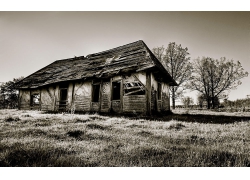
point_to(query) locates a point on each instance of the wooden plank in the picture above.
(95, 106)
(91, 95)
(133, 92)
(100, 95)
(73, 90)
(148, 93)
(40, 100)
(83, 103)
(111, 94)
(134, 103)
(105, 104)
(159, 105)
(121, 96)
(116, 105)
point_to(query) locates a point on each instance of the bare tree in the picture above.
(213, 78)
(174, 59)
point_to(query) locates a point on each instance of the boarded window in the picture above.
(35, 99)
(95, 92)
(159, 90)
(134, 88)
(116, 90)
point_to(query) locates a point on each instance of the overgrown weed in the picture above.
(11, 118)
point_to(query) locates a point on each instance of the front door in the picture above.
(63, 99)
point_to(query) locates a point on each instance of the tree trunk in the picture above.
(213, 103)
(173, 99)
(208, 103)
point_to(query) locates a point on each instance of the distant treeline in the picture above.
(239, 105)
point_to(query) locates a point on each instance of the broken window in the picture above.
(35, 99)
(95, 92)
(116, 90)
(134, 88)
(159, 91)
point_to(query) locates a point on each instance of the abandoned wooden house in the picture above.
(126, 79)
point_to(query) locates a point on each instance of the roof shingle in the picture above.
(132, 57)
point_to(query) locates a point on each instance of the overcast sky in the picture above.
(32, 40)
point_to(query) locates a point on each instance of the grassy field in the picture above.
(33, 138)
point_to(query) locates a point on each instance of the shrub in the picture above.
(11, 119)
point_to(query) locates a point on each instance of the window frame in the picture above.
(32, 102)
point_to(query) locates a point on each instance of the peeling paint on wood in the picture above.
(165, 97)
(106, 93)
(82, 96)
(24, 99)
(116, 106)
(135, 103)
(95, 106)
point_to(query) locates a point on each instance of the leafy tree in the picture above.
(214, 78)
(9, 94)
(174, 59)
(187, 101)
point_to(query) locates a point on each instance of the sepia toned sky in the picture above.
(32, 40)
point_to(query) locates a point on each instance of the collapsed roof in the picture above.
(133, 57)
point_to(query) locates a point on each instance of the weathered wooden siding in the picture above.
(154, 85)
(159, 105)
(69, 96)
(106, 94)
(165, 97)
(79, 96)
(82, 96)
(24, 99)
(95, 106)
(116, 106)
(134, 103)
(48, 98)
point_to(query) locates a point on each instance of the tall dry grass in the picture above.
(32, 138)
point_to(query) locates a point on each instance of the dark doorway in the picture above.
(116, 91)
(96, 92)
(63, 98)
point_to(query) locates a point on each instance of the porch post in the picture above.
(148, 93)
